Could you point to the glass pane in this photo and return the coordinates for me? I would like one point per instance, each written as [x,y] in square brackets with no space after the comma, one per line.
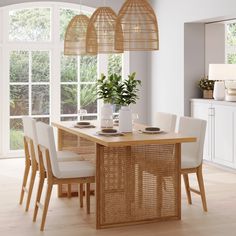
[69,99]
[88,68]
[40,67]
[69,69]
[40,99]
[90,117]
[71,118]
[231,58]
[30,24]
[19,66]
[19,100]
[43,119]
[115,64]
[231,34]
[16,134]
[65,17]
[88,99]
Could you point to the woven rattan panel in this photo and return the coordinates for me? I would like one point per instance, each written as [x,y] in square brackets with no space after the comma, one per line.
[138,183]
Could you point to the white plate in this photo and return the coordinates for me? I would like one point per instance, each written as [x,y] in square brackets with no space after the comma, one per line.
[151,132]
[110,134]
[84,126]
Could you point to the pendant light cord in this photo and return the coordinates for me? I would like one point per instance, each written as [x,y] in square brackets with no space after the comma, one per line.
[80,6]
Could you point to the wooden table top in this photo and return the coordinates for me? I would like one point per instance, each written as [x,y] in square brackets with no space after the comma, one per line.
[129,139]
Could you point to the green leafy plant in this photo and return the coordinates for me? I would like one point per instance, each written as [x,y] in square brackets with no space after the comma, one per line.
[205,84]
[107,87]
[127,91]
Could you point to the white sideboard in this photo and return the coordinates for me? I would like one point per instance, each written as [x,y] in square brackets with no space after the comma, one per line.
[220,141]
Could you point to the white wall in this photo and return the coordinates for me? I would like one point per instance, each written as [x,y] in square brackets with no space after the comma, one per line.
[214,44]
[167,65]
[194,63]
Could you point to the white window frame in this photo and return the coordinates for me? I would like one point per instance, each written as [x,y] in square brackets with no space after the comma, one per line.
[55,46]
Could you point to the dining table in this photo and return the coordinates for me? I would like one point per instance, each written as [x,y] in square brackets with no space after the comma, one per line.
[137,177]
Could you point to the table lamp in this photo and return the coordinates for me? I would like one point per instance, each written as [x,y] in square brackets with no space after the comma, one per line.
[225,74]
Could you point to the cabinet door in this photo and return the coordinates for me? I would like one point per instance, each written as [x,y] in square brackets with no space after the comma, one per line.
[203,111]
[223,132]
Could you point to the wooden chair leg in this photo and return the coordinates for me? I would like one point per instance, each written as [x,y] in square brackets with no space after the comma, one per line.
[39,194]
[186,182]
[32,180]
[26,174]
[88,197]
[201,187]
[81,194]
[46,203]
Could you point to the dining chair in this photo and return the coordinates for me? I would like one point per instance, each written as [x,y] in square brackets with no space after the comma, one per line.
[192,155]
[58,172]
[32,159]
[166,121]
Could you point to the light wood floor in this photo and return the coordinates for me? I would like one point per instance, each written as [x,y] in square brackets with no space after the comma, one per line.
[66,218]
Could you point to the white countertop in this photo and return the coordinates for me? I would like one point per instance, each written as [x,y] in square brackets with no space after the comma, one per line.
[212,101]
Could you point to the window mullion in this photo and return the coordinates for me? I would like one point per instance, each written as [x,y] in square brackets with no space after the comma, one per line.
[30,83]
[79,83]
[55,60]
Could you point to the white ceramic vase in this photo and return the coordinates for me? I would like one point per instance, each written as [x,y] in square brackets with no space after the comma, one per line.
[125,119]
[106,116]
[219,90]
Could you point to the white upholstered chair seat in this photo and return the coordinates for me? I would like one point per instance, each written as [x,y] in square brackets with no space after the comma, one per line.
[76,169]
[187,162]
[68,156]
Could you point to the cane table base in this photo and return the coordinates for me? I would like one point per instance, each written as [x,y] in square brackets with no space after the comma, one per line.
[137,184]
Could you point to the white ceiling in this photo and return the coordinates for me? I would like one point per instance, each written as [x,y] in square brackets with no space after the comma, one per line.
[115,4]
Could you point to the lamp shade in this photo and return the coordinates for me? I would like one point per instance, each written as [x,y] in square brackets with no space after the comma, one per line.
[103,41]
[222,71]
[139,26]
[75,36]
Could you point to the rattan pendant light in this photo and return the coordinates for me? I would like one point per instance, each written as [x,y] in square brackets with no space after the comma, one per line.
[104,20]
[75,37]
[139,26]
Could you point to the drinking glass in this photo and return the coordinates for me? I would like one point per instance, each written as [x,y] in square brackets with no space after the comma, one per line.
[135,117]
[82,113]
[107,121]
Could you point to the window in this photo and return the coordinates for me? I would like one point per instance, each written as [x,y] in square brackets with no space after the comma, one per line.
[38,79]
[230,43]
[29,25]
[29,90]
[78,78]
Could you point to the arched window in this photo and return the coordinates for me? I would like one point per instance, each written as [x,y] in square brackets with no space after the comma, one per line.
[36,78]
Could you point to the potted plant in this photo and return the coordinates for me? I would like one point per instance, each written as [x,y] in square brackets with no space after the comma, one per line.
[126,94]
[106,90]
[207,86]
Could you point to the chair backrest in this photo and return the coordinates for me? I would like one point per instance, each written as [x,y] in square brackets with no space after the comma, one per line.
[197,128]
[46,139]
[29,126]
[166,121]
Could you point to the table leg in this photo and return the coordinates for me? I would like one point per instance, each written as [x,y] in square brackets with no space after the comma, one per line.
[99,154]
